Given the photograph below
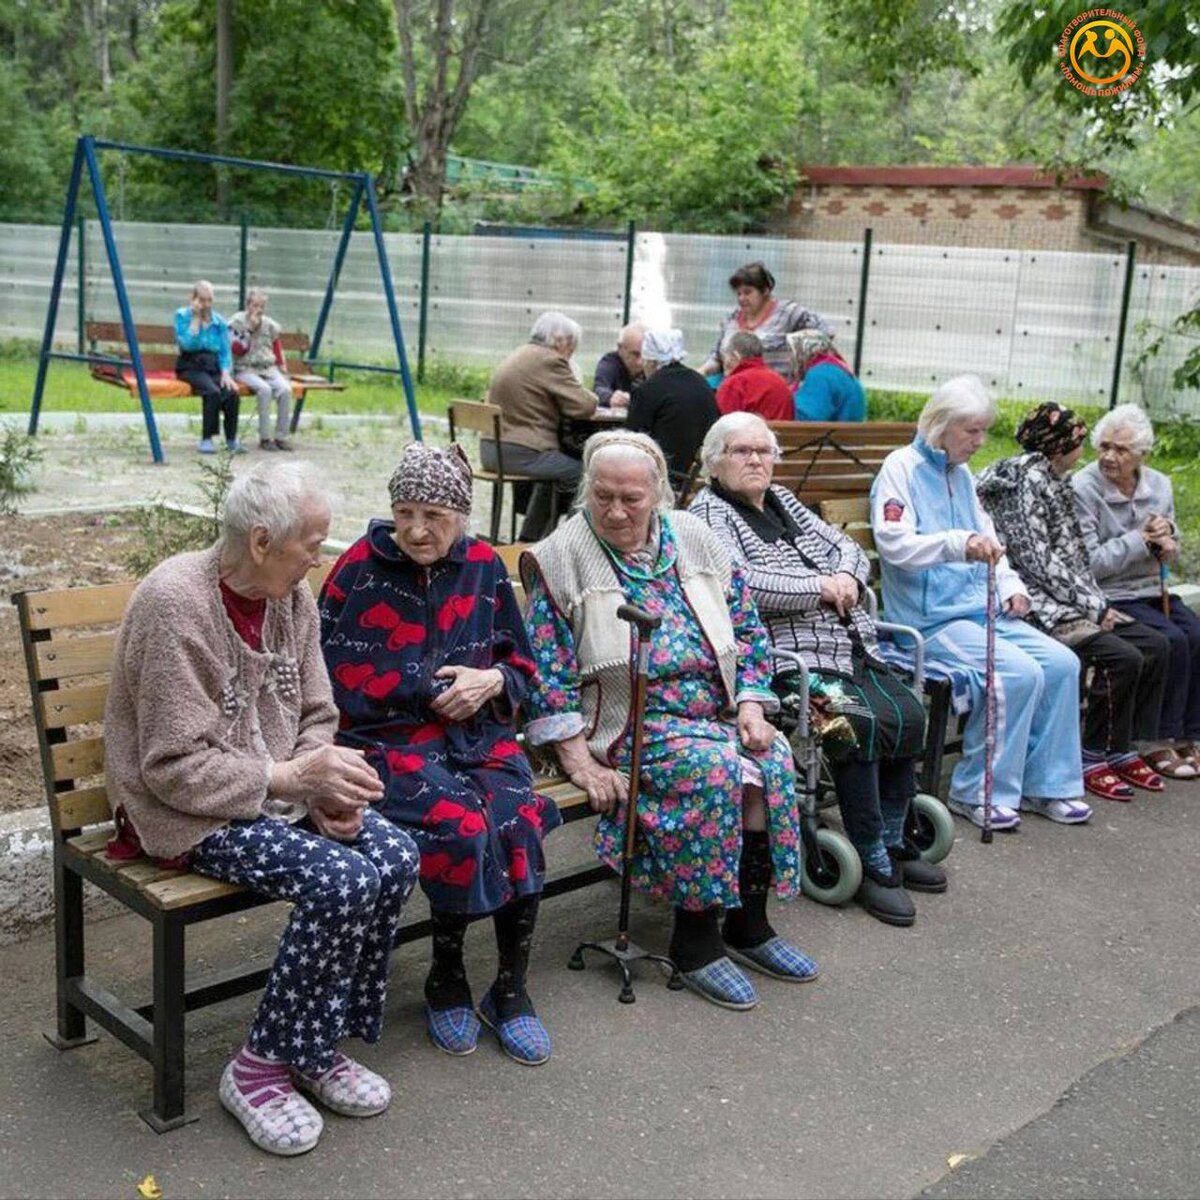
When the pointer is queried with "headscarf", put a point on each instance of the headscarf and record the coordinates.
(1051, 430)
(663, 346)
(811, 347)
(432, 475)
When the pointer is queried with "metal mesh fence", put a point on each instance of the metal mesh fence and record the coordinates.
(1033, 324)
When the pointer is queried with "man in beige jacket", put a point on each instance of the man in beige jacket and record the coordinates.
(537, 389)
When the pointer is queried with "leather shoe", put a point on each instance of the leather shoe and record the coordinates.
(922, 876)
(887, 902)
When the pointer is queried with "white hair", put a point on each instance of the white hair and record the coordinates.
(721, 430)
(959, 399)
(632, 330)
(257, 293)
(618, 445)
(1126, 416)
(554, 327)
(274, 496)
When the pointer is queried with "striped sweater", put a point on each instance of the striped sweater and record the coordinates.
(787, 589)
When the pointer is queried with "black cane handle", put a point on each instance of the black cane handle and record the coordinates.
(639, 617)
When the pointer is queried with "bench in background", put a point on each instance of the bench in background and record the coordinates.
(831, 460)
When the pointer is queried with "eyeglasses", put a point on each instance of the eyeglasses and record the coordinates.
(746, 453)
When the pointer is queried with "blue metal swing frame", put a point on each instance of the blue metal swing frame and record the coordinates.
(86, 158)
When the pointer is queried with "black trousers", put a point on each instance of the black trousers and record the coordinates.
(201, 371)
(1125, 695)
(1181, 699)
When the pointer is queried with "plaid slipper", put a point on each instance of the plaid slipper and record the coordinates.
(720, 982)
(524, 1039)
(777, 959)
(454, 1030)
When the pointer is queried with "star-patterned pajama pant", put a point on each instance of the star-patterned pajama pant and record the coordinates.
(329, 979)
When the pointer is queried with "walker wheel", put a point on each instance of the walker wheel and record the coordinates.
(831, 871)
(931, 827)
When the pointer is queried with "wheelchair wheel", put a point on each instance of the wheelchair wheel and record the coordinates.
(932, 827)
(831, 869)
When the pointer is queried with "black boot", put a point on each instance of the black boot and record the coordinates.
(695, 939)
(446, 985)
(885, 899)
(748, 926)
(917, 874)
(514, 936)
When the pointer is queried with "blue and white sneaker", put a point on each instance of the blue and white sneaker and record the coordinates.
(206, 446)
(1004, 819)
(777, 959)
(235, 447)
(454, 1030)
(720, 982)
(524, 1039)
(1062, 812)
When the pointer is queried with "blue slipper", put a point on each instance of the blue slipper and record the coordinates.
(523, 1038)
(777, 959)
(721, 983)
(454, 1030)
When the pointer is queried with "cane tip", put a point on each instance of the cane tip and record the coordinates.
(986, 837)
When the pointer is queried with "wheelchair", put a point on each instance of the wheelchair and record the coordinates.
(831, 869)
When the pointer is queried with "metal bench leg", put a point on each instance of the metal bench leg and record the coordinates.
(71, 1028)
(168, 1058)
(497, 504)
(938, 691)
(296, 411)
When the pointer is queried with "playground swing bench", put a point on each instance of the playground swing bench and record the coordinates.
(132, 372)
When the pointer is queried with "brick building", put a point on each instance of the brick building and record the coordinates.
(1017, 207)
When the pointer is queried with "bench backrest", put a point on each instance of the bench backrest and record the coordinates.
(68, 637)
(829, 460)
(113, 332)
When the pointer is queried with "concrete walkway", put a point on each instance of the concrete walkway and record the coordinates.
(1055, 950)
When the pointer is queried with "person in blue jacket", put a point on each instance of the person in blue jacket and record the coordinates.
(935, 541)
(205, 364)
(829, 389)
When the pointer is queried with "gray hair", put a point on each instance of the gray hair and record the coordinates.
(257, 293)
(721, 430)
(958, 399)
(612, 445)
(633, 329)
(202, 283)
(1126, 416)
(273, 496)
(554, 327)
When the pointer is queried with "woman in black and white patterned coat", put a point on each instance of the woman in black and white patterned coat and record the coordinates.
(808, 581)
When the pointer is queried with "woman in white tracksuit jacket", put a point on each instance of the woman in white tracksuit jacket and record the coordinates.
(934, 541)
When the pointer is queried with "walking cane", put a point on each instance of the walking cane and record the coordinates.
(989, 702)
(1165, 586)
(621, 949)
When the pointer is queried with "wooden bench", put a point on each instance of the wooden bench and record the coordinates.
(68, 637)
(830, 460)
(159, 365)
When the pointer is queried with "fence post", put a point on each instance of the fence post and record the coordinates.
(81, 285)
(1130, 262)
(423, 311)
(243, 240)
(864, 276)
(630, 245)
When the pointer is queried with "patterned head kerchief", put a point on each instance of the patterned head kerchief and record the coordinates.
(1051, 429)
(663, 346)
(806, 344)
(430, 475)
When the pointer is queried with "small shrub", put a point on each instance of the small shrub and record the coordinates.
(18, 456)
(462, 381)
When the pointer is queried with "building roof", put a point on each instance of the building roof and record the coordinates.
(1023, 176)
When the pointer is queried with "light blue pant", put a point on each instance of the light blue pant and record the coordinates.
(1037, 712)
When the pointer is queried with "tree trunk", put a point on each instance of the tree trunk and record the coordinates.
(224, 87)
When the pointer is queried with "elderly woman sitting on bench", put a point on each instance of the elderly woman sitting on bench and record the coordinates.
(430, 660)
(219, 751)
(808, 581)
(717, 808)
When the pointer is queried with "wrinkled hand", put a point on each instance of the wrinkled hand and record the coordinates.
(1157, 526)
(1165, 549)
(619, 400)
(983, 549)
(227, 381)
(1108, 620)
(340, 824)
(754, 730)
(605, 787)
(839, 591)
(335, 778)
(1017, 605)
(471, 690)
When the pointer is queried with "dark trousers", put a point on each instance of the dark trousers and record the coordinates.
(1181, 698)
(201, 371)
(1125, 696)
(560, 470)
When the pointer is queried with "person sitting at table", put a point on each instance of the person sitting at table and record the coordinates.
(205, 364)
(259, 364)
(829, 389)
(750, 385)
(675, 405)
(536, 389)
(758, 311)
(619, 369)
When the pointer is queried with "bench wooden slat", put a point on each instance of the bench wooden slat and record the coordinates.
(78, 759)
(849, 511)
(93, 843)
(164, 335)
(83, 806)
(71, 657)
(183, 890)
(68, 608)
(73, 706)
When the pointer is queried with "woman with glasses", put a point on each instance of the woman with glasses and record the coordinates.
(808, 580)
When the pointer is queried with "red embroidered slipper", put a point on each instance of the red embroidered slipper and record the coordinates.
(1101, 781)
(1136, 771)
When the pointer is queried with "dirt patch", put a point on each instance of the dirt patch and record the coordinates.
(44, 552)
